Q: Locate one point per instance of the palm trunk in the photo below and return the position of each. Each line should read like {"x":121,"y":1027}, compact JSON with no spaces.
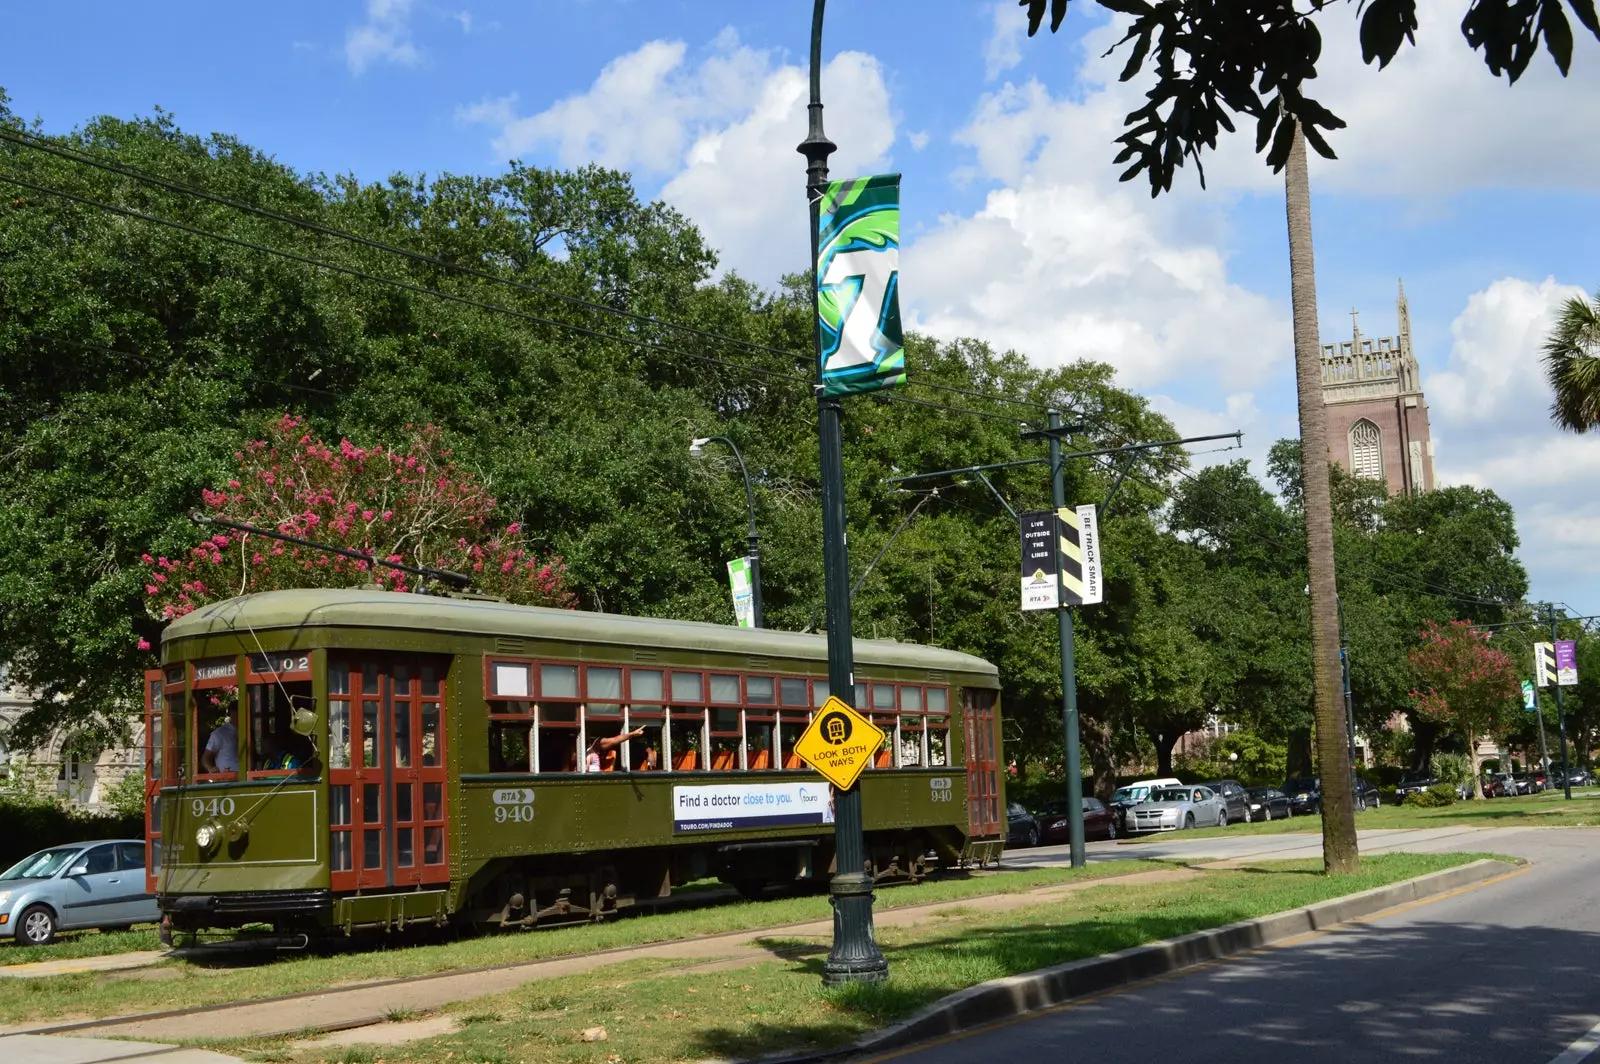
{"x":1339,"y":853}
{"x":1476,"y":762}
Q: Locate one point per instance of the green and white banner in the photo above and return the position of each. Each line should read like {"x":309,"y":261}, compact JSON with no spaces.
{"x":744,"y":606}
{"x":858,"y":285}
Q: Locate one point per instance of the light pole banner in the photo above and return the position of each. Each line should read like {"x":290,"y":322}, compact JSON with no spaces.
{"x":1040,"y":590}
{"x":1544,"y":664}
{"x":858,"y":285}
{"x":1080,"y":556}
{"x":744,"y":603}
{"x":1567,"y":662}
{"x":1530,"y":701}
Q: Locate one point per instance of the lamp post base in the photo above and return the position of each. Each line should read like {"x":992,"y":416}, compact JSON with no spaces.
{"x":855,"y":957}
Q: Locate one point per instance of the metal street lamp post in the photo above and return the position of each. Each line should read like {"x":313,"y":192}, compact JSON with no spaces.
{"x":1344,"y":667}
{"x":855,"y":957}
{"x":753,"y":542}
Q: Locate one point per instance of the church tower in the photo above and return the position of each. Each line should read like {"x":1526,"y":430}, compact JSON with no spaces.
{"x":1377,"y":417}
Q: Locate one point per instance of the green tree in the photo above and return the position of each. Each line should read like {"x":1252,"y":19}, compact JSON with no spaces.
{"x":1465,"y":684}
{"x":1572,"y":365}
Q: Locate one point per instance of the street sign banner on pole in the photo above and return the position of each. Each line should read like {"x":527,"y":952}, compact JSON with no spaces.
{"x":1544,"y":664}
{"x":839,"y":742}
{"x":1039,"y":561}
{"x":1567,"y":662}
{"x":744,"y":603}
{"x":858,"y":285}
{"x":1081,"y":583}
{"x":1529,"y":699}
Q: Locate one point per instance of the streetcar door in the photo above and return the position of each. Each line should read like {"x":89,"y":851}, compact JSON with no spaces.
{"x":154,"y":703}
{"x":386,"y":771}
{"x":983,"y":778}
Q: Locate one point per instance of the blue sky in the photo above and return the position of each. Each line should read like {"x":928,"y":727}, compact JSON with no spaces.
{"x":1482,"y":197}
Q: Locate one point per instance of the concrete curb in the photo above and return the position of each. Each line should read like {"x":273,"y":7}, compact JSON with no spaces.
{"x":1017,"y":995}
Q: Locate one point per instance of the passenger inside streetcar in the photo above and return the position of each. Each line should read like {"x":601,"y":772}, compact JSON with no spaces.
{"x":602,"y":754}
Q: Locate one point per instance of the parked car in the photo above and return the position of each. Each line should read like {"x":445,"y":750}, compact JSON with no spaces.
{"x":1098,"y":822}
{"x":1176,"y":808}
{"x":1234,"y":799}
{"x":1305,"y":794}
{"x":1136,"y":793}
{"x":1499,"y":785}
{"x":65,"y":888}
{"x":1268,"y":803}
{"x":1576,"y":777}
{"x":1021,"y":827}
{"x":1414,"y":783}
{"x":1364,"y":794}
{"x":1528,"y":782}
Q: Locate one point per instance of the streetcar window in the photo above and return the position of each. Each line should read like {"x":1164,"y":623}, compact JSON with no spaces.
{"x":758,"y":744}
{"x":724,"y":688}
{"x":911,"y":736}
{"x":883,"y":696}
{"x":758,"y":690}
{"x":910,"y":699}
{"x":936,"y":699}
{"x":688,"y":688}
{"x":603,"y":689}
{"x":273,"y":746}
{"x":217,"y":729}
{"x":938,"y":740}
{"x":645,"y":685}
{"x":177,"y":736}
{"x":789,"y":732}
{"x":339,"y":719}
{"x":819,"y":692}
{"x":558,"y":681}
{"x":861,"y":696}
{"x":793,"y":692}
{"x":509,"y":745}
{"x":511,"y":681}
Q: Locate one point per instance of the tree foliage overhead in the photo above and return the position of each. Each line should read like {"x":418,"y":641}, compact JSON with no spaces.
{"x":1465,"y":684}
{"x":1572,"y":365}
{"x":1218,"y":61}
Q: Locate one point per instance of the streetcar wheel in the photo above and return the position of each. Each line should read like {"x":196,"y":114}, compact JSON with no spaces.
{"x":751,"y":889}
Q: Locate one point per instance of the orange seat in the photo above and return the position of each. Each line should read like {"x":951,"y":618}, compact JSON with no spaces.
{"x":724,"y":761}
{"x":792,"y":760}
{"x":763,"y":759}
{"x":883,"y":760}
{"x":686,"y":761}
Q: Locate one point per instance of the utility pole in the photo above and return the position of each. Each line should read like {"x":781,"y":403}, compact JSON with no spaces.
{"x":1069,"y":666}
{"x":1561,"y":716}
{"x":855,"y":957}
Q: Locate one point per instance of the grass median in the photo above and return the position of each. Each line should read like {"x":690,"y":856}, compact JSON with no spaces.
{"x":182,"y":982}
{"x":1539,"y":810}
{"x":652,"y":1013}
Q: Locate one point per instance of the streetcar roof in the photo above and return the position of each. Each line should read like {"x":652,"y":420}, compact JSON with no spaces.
{"x":352,"y":608}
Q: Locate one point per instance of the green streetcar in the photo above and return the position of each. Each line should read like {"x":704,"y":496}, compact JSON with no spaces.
{"x":326,"y":760}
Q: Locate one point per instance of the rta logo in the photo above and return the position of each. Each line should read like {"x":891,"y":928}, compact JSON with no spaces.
{"x":836,"y":728}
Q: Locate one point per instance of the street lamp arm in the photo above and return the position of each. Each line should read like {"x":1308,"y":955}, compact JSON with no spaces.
{"x":744,"y":473}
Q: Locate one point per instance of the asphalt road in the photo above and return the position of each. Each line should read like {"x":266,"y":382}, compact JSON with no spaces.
{"x":1508,"y":973}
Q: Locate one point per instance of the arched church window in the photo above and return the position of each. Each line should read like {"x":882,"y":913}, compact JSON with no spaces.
{"x":1366,"y":450}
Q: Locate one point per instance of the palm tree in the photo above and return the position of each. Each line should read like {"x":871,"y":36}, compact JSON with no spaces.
{"x":1339,"y":853}
{"x":1572,"y":364}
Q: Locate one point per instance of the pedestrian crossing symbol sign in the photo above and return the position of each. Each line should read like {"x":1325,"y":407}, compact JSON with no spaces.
{"x":839,"y":743}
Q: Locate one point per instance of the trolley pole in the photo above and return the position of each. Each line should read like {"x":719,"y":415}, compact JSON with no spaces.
{"x":1069,"y":667}
{"x":855,"y":957}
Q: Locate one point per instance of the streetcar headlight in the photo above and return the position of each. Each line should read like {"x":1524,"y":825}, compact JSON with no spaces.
{"x":206,"y":837}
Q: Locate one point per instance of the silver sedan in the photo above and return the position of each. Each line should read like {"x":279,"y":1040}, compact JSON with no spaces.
{"x":85,"y":884}
{"x":1177,"y":808}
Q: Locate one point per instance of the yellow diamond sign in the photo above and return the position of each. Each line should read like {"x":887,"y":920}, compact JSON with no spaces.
{"x":839,"y":743}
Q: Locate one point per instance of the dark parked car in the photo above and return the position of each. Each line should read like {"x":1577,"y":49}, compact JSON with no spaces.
{"x":1529,"y":782}
{"x":1268,"y":803}
{"x":1414,"y":783}
{"x":1021,"y":827}
{"x":1234,"y":799}
{"x":1305,"y":795}
{"x":1365,"y":795}
{"x":1499,"y":785}
{"x":1098,"y":822}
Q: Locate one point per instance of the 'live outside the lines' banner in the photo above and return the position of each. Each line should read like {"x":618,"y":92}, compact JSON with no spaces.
{"x":858,"y":285}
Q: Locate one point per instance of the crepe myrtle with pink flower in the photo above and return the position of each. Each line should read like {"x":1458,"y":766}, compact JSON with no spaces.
{"x":413,"y":505}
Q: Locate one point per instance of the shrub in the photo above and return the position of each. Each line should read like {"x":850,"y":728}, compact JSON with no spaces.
{"x":1440,"y":794}
{"x":33,"y":825}
{"x":1451,"y":768}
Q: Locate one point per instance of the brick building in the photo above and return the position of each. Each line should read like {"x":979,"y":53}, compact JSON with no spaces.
{"x":1377,"y":416}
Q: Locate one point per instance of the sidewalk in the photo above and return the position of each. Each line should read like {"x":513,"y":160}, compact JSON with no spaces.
{"x":58,"y":1049}
{"x":111,"y":962}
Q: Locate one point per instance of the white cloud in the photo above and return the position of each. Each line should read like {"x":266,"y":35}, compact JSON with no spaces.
{"x":385,"y":37}
{"x":1004,"y":48}
{"x":642,"y":110}
{"x":918,"y":140}
{"x":1491,"y":427}
{"x":722,"y":132}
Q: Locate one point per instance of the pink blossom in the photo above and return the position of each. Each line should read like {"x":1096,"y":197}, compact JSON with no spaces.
{"x":144,"y":644}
